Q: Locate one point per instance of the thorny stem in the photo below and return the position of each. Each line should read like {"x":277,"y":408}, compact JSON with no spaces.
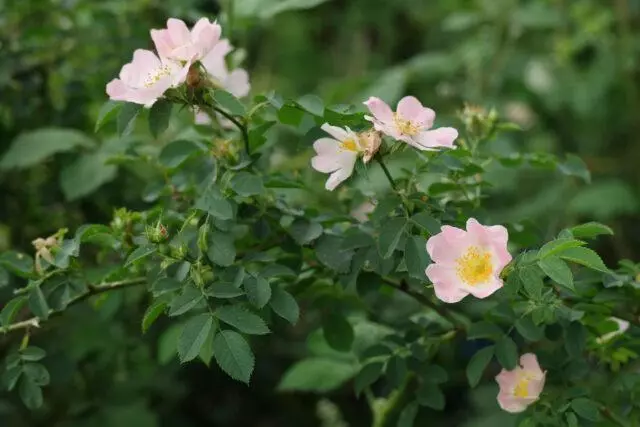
{"x":34,"y":322}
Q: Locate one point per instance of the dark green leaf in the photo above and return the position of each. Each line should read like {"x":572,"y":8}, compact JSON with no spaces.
{"x":258,"y":290}
{"x":304,"y":232}
{"x":586,"y":257}
{"x":184,"y":302}
{"x":575,"y":339}
{"x":572,"y":420}
{"x":478,"y":364}
{"x":38,"y":303}
{"x":484,"y":329}
{"x":108,"y":112}
{"x":390,"y":236}
{"x":586,"y":408}
{"x":531,"y":280}
{"x":529,"y":330}
{"x":213,"y":202}
{"x":164,"y":285}
{"x":247,"y":184}
{"x":223,"y":290}
{"x":427,"y":222}
{"x":337,"y":331}
{"x":396,"y":370}
{"x":17,"y":263}
{"x":285,"y":306}
{"x":127,"y":118}
{"x":67,"y":249}
{"x":11,"y":309}
{"x":140,"y":253}
{"x":86,"y":174}
{"x":11,"y":376}
{"x":317,"y":374}
{"x":222,"y":250}
{"x":430,"y":395}
{"x":32,"y":354}
{"x":330,"y":253}
{"x":241,"y":319}
{"x":194,"y":334}
{"x":229,"y":102}
{"x":416,"y":257}
{"x":408,"y":415}
{"x":557,"y":270}
{"x":434,"y":374}
{"x":233,"y":355}
{"x":177,"y":152}
{"x":367,"y":376}
{"x":37,"y":372}
{"x":30,"y":393}
{"x":507,"y":353}
{"x":152,"y":313}
{"x":159,"y":116}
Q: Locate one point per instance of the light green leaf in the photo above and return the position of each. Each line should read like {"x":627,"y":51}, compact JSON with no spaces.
{"x":247,"y":184}
{"x":284,"y":305}
{"x":312,"y":104}
{"x":17,"y":263}
{"x":575,"y":166}
{"x":32,"y":354}
{"x":108,"y":112}
{"x":233,"y":355}
{"x":32,"y":147}
{"x":390,"y":236}
{"x":586,"y":408}
{"x":152,"y":313}
{"x":213,"y":202}
{"x":590,"y":230}
{"x":258,"y":290}
{"x":177,"y":152}
{"x":159,"y":116}
{"x":367,"y":376}
{"x":140,"y":253}
{"x":193,"y":336}
{"x":127,"y":118}
{"x":222,"y":250}
{"x":478,"y":364}
{"x":241,"y":319}
{"x":229,"y":102}
{"x":531,"y":279}
{"x":86,"y":175}
{"x":11,"y":309}
{"x":164,"y":285}
{"x":318,"y":375}
{"x":529,"y":330}
{"x":416,"y":257}
{"x":38,"y":303}
{"x":586,"y":257}
{"x":557,"y":270}
{"x":427,"y":222}
{"x":266,"y":9}
{"x":558,"y":246}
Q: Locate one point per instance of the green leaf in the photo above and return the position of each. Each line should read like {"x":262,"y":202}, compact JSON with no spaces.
{"x":586,"y":257}
{"x":68,"y":248}
{"x":168,"y":343}
{"x":193,"y":336}
{"x":11,"y":309}
{"x":312,"y":104}
{"x":408,"y":415}
{"x":127,"y":118}
{"x":33,"y":147}
{"x":30,"y":393}
{"x":11,"y":376}
{"x":478,"y":364}
{"x":427,"y":222}
{"x":258,"y":290}
{"x":290,"y":115}
{"x":37,"y":372}
{"x":247,"y":184}
{"x":484,"y":329}
{"x":529,"y":330}
{"x":38,"y":303}
{"x":153,"y":312}
{"x":557,"y":270}
{"x":575,"y":166}
{"x":140,"y":253}
{"x":206,"y":352}
{"x":434,"y":374}
{"x":285,"y":306}
{"x":241,"y":319}
{"x":507,"y":353}
{"x":304,"y":232}
{"x":213,"y":202}
{"x":85,"y":175}
{"x":228,"y":102}
{"x":586,"y":408}
{"x":430,"y":395}
{"x":177,"y":152}
{"x":367,"y":376}
{"x":416,"y":257}
{"x":590,"y":230}
{"x":222,"y":250}
{"x":184,"y":302}
{"x":233,"y":355}
{"x":108,"y":112}
{"x":396,"y":370}
{"x":224,"y":290}
{"x":558,"y":246}
{"x":159,"y":116}
{"x":390,"y":236}
{"x":572,"y":420}
{"x":4,"y":277}
{"x":17,"y":263}
{"x":337,"y":331}
{"x":164,"y":285}
{"x":330,"y":253}
{"x":575,"y":337}
{"x":317,"y":375}
{"x":531,"y":280}
{"x":32,"y":354}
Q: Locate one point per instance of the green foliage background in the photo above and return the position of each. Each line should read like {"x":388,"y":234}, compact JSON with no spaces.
{"x":567,"y":71}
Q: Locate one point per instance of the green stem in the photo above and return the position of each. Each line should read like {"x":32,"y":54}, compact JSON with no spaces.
{"x":239,"y":125}
{"x":384,"y":414}
{"x":387,"y":173}
{"x":34,"y":322}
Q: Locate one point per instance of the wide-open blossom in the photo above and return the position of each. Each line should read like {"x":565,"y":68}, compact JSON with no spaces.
{"x":177,"y":43}
{"x":467,"y":261}
{"x":522,"y":386}
{"x":622,"y":325}
{"x":235,"y":82}
{"x":336,"y":155}
{"x":146,"y":78}
{"x":411,"y":123}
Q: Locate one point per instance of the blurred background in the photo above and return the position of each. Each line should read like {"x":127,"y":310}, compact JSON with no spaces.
{"x":566,"y":71}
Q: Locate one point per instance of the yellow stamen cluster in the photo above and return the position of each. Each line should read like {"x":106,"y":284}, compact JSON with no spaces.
{"x":522,"y":387}
{"x":474,"y":267}
{"x":349,"y":145}
{"x":155,"y":76}
{"x":405,"y":127}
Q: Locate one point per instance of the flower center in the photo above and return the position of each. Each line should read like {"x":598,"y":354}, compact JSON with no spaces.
{"x":474,"y":267}
{"x":405,"y":127}
{"x":349,"y":145}
{"x":522,"y":387}
{"x":155,"y":76}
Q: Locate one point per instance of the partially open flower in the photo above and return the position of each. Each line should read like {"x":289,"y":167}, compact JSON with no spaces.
{"x":336,"y":155}
{"x":177,"y":43}
{"x":43,"y":251}
{"x":370,"y":142}
{"x":522,"y":386}
{"x":467,"y":262}
{"x":411,"y":123}
{"x":146,"y":78}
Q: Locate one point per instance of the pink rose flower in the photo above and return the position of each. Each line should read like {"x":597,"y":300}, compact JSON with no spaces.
{"x":235,"y":82}
{"x":522,"y":386}
{"x":411,"y":123}
{"x":146,"y":78}
{"x":177,"y":43}
{"x":336,"y":155}
{"x":467,"y":262}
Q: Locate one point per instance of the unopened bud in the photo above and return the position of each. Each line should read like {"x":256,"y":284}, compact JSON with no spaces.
{"x":157,"y":233}
{"x":370,"y":141}
{"x":194,"y":79}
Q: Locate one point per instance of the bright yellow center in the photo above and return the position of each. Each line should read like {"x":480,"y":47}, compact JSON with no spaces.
{"x":522,"y":388}
{"x":474,"y":267}
{"x":349,"y":145}
{"x":155,"y":76}
{"x":405,"y":127}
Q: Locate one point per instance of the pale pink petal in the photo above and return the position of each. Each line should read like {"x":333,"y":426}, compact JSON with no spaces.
{"x":446,"y":284}
{"x":380,"y":110}
{"x":511,"y":404}
{"x":493,"y":237}
{"x":484,"y":290}
{"x":179,"y":32}
{"x":178,"y":74}
{"x":145,"y":61}
{"x":338,"y":177}
{"x":437,"y":138}
{"x":448,"y":245}
{"x":237,"y":83}
{"x":507,"y":380}
{"x":409,"y":108}
{"x":529,"y":363}
{"x":325,"y":164}
{"x":326,"y":146}
{"x":335,"y":131}
{"x":117,"y":90}
{"x":535,"y":387}
{"x":214,"y":61}
{"x":162,"y":41}
{"x":205,"y":35}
